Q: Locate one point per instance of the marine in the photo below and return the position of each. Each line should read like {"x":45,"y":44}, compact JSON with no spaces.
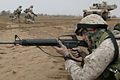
{"x":103,"y":60}
{"x":16,"y":14}
{"x":29,"y":17}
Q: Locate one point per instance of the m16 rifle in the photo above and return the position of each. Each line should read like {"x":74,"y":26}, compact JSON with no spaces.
{"x":34,"y":14}
{"x":69,"y":43}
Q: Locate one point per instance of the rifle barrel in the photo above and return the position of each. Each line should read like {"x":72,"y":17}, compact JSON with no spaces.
{"x":7,"y":42}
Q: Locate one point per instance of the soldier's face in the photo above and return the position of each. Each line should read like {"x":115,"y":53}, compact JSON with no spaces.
{"x":85,"y":36}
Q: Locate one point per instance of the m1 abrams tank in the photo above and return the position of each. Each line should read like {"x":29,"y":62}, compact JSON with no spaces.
{"x":102,"y":9}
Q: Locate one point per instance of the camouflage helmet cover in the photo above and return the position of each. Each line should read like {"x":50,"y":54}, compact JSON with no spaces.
{"x":91,"y":21}
{"x":31,"y":6}
{"x":20,"y":6}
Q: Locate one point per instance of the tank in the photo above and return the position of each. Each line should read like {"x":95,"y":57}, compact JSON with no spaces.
{"x":102,"y":9}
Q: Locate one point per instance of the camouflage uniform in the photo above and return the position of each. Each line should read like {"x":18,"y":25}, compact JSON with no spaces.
{"x":29,"y":18}
{"x":97,"y":61}
{"x":17,"y":13}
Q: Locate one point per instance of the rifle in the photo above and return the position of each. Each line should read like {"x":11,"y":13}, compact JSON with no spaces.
{"x":34,"y":14}
{"x":69,"y":43}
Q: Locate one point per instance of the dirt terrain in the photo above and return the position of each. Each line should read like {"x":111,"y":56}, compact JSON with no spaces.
{"x":30,"y":63}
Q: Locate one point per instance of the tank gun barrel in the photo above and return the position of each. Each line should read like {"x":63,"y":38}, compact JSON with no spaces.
{"x":111,"y":7}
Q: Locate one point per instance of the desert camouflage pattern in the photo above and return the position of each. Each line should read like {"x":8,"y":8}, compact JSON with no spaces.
{"x":95,"y":63}
{"x":30,"y":10}
{"x":93,"y":19}
{"x":29,"y":17}
{"x":102,"y":9}
{"x":16,"y":14}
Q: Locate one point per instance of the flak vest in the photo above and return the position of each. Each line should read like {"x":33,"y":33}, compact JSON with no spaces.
{"x":112,"y":72}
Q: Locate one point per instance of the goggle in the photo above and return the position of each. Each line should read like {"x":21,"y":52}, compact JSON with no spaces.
{"x":86,"y":31}
{"x":79,"y":27}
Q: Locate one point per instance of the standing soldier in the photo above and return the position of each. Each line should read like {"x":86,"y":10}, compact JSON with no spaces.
{"x":19,"y":12}
{"x":29,"y":17}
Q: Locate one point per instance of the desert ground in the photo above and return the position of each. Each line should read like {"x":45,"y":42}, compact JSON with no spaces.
{"x":30,"y":63}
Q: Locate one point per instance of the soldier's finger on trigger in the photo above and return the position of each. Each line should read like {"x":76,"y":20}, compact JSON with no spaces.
{"x":76,"y":48}
{"x":74,"y":52}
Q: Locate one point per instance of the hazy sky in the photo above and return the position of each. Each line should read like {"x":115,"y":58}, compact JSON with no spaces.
{"x":67,"y":7}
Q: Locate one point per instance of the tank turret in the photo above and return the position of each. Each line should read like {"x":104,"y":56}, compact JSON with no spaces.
{"x":102,"y":9}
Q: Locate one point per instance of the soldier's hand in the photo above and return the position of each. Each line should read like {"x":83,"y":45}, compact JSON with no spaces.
{"x":61,"y":49}
{"x":78,"y":52}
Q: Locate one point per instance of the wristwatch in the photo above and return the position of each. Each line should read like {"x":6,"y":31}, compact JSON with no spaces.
{"x":68,"y":56}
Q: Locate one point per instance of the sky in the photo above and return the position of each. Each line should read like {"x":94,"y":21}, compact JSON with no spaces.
{"x":56,"y":7}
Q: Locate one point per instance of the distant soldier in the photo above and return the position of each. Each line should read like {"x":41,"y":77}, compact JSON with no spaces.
{"x":29,"y":17}
{"x":17,"y":13}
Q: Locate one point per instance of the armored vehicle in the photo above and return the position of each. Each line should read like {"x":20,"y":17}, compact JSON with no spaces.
{"x":102,"y":9}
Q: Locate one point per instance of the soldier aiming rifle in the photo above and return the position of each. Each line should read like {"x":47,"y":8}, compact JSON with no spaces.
{"x":103,"y":61}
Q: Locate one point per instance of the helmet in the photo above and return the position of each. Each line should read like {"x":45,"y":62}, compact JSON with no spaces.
{"x":91,"y":21}
{"x":20,"y":6}
{"x":31,"y":6}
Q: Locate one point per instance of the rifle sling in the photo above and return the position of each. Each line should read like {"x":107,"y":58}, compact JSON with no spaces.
{"x":116,"y":51}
